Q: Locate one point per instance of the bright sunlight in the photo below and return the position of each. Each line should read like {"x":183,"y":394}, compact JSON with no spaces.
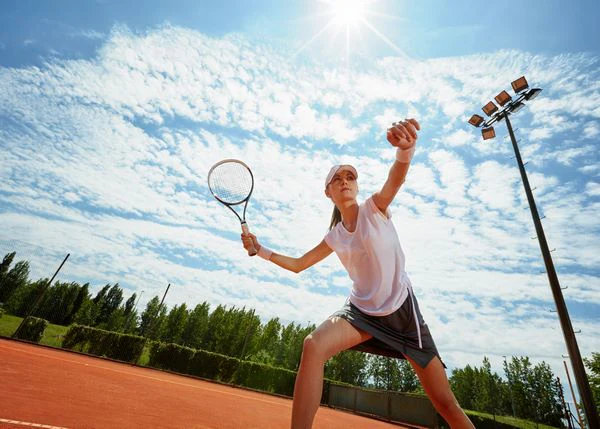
{"x":347,"y":17}
{"x":347,"y":12}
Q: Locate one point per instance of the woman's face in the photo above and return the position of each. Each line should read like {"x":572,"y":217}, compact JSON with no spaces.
{"x":342,"y":187}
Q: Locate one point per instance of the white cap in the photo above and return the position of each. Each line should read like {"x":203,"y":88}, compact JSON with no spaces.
{"x":339,"y":168}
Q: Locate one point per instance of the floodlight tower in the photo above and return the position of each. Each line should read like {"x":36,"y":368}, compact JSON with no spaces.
{"x":508,"y":106}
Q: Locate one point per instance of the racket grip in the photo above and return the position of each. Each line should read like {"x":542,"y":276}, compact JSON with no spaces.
{"x":252,"y":251}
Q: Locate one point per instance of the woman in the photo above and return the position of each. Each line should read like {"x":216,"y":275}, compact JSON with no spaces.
{"x":381,"y":313}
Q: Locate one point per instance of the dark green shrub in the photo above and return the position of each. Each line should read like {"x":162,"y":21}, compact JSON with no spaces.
{"x":227,"y":368}
{"x":32,"y":329}
{"x":99,"y":342}
{"x":265,"y":377}
{"x":213,"y":365}
{"x":171,"y":356}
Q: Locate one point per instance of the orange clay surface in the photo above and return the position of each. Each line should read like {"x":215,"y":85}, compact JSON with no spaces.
{"x":52,"y":388}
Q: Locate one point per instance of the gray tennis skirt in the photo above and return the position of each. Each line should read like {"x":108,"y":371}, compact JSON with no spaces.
{"x":394,"y":335}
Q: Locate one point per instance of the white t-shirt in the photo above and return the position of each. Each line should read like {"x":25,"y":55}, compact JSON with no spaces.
{"x":374,"y":259}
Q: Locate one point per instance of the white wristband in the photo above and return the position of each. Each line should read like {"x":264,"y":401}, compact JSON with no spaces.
{"x":264,"y":253}
{"x":405,"y":155}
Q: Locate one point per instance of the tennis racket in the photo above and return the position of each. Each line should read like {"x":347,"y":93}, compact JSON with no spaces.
{"x":231,"y":182}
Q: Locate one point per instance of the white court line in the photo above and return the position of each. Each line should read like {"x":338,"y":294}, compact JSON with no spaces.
{"x":147,"y":376}
{"x":33,"y":425}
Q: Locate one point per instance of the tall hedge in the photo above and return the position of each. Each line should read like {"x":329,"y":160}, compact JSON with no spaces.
{"x":266,"y":378}
{"x":99,"y":342}
{"x":32,"y":329}
{"x":215,"y":366}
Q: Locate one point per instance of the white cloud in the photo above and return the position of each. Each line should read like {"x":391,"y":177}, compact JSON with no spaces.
{"x":459,"y":138}
{"x":591,"y":130}
{"x":593,"y":189}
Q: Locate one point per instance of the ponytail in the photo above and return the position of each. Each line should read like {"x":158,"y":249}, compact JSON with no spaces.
{"x":336,"y":217}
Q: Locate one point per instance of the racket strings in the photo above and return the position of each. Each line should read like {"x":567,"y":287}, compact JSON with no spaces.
{"x":231,"y":182}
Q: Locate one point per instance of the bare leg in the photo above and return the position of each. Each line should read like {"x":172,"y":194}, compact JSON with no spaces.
{"x":435,"y":382}
{"x":331,"y":337}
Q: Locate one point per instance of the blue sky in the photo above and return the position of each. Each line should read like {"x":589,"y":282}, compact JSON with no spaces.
{"x":111,"y":114}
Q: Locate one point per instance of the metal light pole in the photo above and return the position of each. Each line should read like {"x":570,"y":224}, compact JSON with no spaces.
{"x":509,"y":107}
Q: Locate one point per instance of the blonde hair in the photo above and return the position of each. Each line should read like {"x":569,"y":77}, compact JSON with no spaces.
{"x":336,"y":217}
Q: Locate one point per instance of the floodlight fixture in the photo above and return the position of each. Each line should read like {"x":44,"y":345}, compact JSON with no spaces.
{"x":490,"y":108}
{"x":516,"y":107}
{"x":532,"y":93}
{"x":502,"y":98}
{"x":488,"y":133}
{"x":520,"y":84}
{"x":476,"y":120}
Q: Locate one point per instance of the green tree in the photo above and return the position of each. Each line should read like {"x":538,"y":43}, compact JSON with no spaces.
{"x":463,"y":383}
{"x":195,"y":327}
{"x":593,"y":366}
{"x":534,"y":392}
{"x":6,"y":262}
{"x":57,"y":303}
{"x":234,"y":323}
{"x":486,"y":397}
{"x":291,"y":344}
{"x":408,"y":378}
{"x":23,"y":298}
{"x":545,"y":395}
{"x":109,"y":303}
{"x":250,"y":331}
{"x":152,"y":319}
{"x":99,"y":301}
{"x":116,"y":321}
{"x":391,"y":374}
{"x":348,"y":366}
{"x":384,"y":373}
{"x":130,"y":315}
{"x":268,"y":342}
{"x":175,"y":324}
{"x":83,"y":295}
{"x":87,"y":313}
{"x":216,"y":332}
{"x":17,"y":277}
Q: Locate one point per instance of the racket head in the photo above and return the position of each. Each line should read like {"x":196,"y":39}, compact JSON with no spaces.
{"x":231,"y":181}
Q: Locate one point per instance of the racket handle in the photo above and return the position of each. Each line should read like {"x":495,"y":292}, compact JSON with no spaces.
{"x":252,"y":251}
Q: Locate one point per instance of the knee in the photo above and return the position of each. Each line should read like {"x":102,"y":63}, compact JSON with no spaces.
{"x":311,"y":348}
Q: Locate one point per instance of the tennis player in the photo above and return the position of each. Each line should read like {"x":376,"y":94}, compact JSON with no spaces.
{"x":381,"y":315}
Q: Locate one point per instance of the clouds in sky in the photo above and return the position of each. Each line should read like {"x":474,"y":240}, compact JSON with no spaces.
{"x":107,"y":158}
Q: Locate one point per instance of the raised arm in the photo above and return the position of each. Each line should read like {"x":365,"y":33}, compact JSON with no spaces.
{"x":296,"y":265}
{"x":402,"y":135}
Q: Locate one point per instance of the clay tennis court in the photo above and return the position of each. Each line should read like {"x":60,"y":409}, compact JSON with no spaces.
{"x":52,"y":388}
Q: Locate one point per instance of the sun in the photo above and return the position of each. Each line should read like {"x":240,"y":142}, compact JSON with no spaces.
{"x":348,"y":17}
{"x":347,"y":12}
